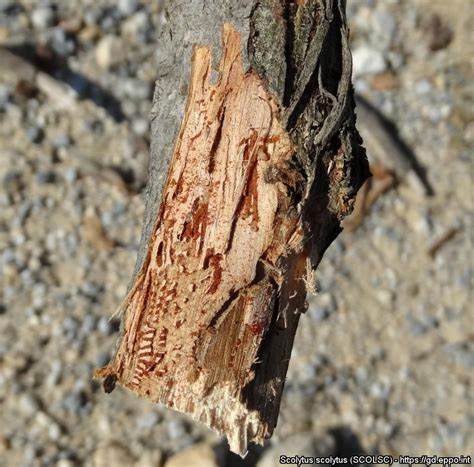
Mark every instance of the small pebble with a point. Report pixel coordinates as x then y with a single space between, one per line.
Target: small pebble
367 60
28 404
140 126
5 95
135 88
384 27
109 51
65 463
138 27
176 429
45 176
127 7
63 140
92 290
43 17
112 454
199 455
75 401
461 353
71 174
148 420
107 327
102 359
89 323
62 44
34 134
70 326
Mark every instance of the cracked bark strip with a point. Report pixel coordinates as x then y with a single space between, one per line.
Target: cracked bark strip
266 164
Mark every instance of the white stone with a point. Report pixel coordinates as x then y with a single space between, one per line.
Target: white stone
150 459
136 25
367 60
111 454
42 17
108 51
199 455
127 7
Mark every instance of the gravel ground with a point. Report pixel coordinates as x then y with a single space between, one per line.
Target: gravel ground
383 358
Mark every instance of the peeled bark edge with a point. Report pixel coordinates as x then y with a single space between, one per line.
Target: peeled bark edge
294 47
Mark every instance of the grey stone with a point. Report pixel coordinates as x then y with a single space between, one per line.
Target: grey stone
62 141
45 176
93 15
127 7
8 255
138 27
112 454
92 290
367 60
61 43
102 359
75 401
70 326
107 218
5 94
395 59
89 324
380 390
319 313
384 28
135 88
71 174
28 278
140 126
23 213
422 86
47 423
361 375
34 134
54 374
176 429
148 420
461 353
107 326
322 306
43 17
28 404
30 453
13 181
109 23
422 325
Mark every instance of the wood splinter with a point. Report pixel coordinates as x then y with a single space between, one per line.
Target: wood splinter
208 324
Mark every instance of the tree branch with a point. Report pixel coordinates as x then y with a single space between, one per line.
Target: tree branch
262 165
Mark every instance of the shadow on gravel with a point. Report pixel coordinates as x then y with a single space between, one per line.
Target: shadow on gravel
253 456
400 149
346 444
46 60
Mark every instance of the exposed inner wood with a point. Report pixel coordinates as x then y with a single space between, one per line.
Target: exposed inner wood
226 258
